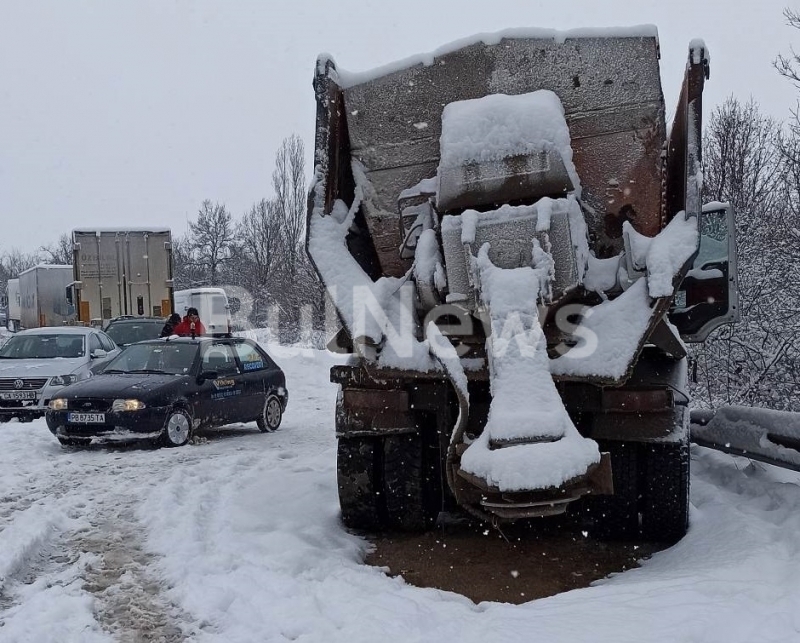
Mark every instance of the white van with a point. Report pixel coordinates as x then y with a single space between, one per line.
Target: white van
212 306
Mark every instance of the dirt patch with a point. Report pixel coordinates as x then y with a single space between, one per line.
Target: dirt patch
523 562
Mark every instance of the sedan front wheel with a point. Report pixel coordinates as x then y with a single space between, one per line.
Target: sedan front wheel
178 428
271 414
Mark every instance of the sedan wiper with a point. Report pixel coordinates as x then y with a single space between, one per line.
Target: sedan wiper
147 370
113 370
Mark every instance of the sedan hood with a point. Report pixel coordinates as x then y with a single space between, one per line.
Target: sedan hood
40 367
121 385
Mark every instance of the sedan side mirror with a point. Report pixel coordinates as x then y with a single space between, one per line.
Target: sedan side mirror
207 375
97 353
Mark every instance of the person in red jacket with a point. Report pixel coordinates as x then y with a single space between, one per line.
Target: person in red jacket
190 326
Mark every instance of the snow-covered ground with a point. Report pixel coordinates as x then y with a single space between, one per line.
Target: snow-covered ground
237 538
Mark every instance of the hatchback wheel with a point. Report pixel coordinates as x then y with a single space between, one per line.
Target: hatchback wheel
178 428
271 414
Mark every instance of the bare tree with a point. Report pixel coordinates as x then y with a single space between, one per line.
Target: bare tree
16 261
211 238
59 252
755 361
741 157
788 66
186 273
289 184
268 245
262 238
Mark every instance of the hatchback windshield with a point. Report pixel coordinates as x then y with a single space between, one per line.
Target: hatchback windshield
174 359
130 332
43 346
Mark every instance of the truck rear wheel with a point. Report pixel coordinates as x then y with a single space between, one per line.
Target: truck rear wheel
616 517
665 511
409 505
358 465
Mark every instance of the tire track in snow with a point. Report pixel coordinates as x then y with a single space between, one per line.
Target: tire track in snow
101 538
130 601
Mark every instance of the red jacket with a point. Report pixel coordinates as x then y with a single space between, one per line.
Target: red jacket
184 329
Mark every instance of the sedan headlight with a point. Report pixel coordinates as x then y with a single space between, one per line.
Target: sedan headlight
58 404
127 405
63 380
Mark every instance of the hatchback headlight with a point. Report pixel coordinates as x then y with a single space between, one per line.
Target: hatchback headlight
58 404
127 405
63 380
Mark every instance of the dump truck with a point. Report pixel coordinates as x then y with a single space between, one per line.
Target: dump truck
514 243
41 296
121 272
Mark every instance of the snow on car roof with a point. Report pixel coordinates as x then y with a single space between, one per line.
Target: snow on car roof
58 330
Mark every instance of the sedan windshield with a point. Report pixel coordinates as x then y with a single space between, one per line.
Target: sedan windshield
124 333
174 359
43 346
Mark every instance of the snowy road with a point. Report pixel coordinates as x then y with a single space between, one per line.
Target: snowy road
237 538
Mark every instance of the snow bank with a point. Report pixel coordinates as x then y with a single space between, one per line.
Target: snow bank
25 536
244 529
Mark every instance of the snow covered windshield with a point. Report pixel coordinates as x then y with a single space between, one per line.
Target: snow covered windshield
171 359
43 346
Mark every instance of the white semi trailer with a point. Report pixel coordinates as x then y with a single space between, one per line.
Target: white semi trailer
13 308
121 272
41 296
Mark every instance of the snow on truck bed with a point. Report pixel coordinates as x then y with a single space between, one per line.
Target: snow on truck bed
350 79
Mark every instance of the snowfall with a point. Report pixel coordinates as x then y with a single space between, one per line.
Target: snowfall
237 537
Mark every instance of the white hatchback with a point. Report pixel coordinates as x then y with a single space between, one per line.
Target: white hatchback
35 364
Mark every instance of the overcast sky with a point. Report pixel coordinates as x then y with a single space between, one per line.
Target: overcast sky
132 113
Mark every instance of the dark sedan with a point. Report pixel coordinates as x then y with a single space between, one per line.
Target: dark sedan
129 330
165 389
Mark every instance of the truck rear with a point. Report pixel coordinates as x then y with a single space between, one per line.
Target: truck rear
41 296
516 249
121 272
12 305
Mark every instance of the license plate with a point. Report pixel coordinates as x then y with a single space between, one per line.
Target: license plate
86 418
18 395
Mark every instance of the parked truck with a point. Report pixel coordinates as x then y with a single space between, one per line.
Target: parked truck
517 251
41 296
12 305
119 272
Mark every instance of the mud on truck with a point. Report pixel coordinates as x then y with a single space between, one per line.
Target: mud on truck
515 246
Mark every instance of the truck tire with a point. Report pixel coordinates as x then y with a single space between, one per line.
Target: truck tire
616 517
409 505
665 511
358 472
